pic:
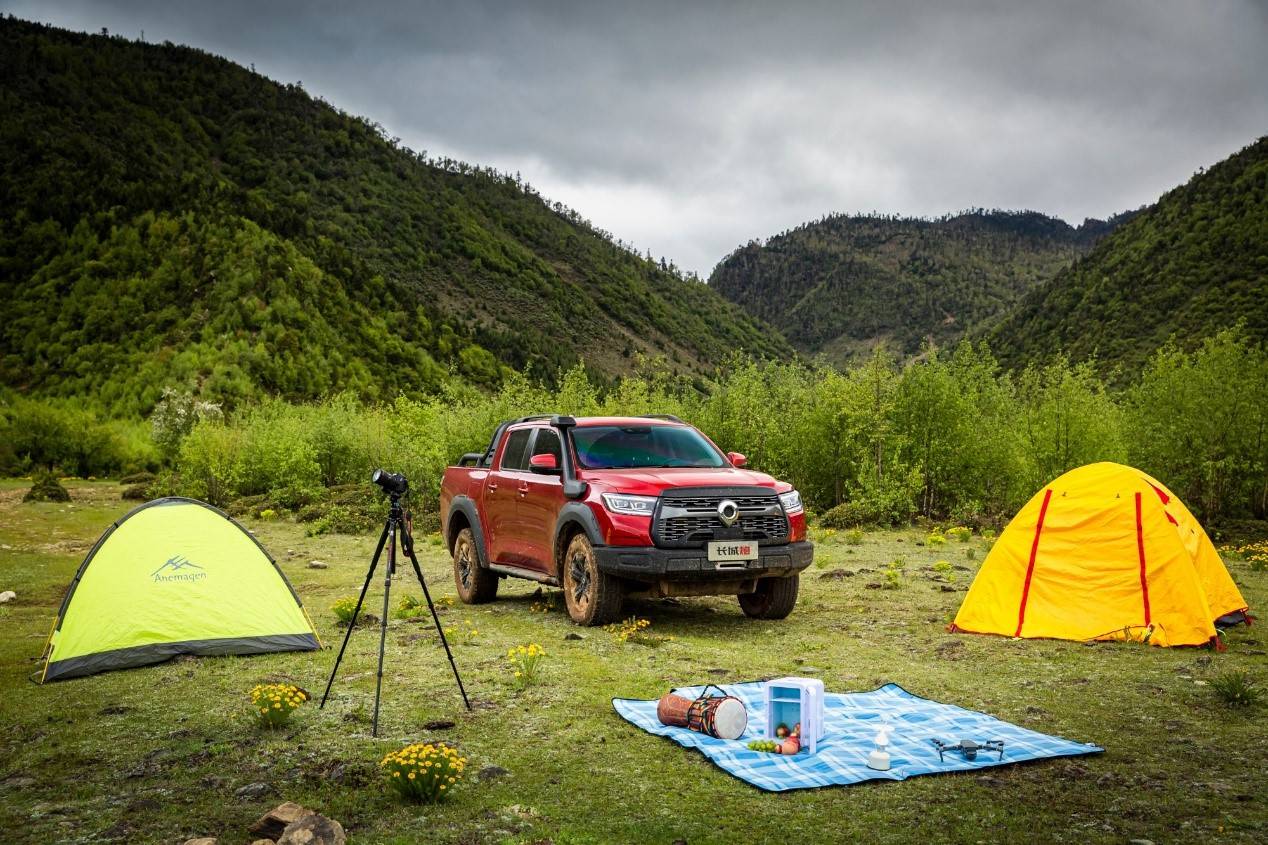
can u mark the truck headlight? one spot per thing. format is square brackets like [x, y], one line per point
[791, 501]
[633, 505]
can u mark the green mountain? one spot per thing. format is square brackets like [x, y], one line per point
[842, 284]
[1189, 265]
[171, 218]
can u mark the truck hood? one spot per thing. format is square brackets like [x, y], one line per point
[651, 482]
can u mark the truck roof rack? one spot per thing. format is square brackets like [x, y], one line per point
[669, 417]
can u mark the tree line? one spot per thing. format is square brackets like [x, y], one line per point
[951, 436]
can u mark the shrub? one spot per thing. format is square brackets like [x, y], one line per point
[525, 661]
[960, 534]
[409, 607]
[274, 703]
[1237, 689]
[135, 493]
[344, 608]
[341, 519]
[935, 539]
[423, 772]
[46, 488]
[277, 455]
[174, 417]
[209, 468]
[634, 630]
[138, 478]
[893, 573]
[845, 515]
[854, 537]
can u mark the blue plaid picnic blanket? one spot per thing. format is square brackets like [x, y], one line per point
[850, 725]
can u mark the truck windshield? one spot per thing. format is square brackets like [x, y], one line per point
[631, 447]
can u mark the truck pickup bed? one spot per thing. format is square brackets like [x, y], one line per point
[606, 507]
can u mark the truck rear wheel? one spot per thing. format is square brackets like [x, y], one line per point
[593, 597]
[476, 585]
[774, 598]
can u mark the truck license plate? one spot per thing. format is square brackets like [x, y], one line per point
[724, 551]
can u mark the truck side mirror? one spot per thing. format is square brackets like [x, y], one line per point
[736, 459]
[544, 464]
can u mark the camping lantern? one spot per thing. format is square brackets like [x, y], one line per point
[792, 701]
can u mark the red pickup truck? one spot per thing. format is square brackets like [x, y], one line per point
[609, 507]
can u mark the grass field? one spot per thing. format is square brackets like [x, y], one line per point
[157, 755]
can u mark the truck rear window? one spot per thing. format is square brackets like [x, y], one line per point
[632, 447]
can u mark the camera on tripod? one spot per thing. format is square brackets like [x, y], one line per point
[395, 530]
[392, 483]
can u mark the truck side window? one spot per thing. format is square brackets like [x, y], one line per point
[547, 443]
[514, 456]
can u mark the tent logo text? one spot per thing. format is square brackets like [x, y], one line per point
[178, 568]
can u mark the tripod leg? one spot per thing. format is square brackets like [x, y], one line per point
[408, 545]
[356, 612]
[387, 590]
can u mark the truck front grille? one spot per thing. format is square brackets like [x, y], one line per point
[690, 518]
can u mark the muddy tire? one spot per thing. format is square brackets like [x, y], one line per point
[774, 598]
[476, 585]
[592, 597]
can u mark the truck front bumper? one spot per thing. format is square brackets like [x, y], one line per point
[654, 564]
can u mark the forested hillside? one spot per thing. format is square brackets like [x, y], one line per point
[842, 284]
[171, 218]
[1188, 266]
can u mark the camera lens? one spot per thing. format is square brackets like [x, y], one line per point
[392, 482]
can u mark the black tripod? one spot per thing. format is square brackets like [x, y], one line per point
[398, 522]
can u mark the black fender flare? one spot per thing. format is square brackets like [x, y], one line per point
[465, 506]
[574, 514]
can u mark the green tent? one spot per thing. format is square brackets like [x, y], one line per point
[174, 576]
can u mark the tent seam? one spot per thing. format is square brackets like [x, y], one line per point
[1030, 569]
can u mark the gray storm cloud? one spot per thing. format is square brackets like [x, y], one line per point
[690, 128]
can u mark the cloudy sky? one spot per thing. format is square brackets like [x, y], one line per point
[689, 128]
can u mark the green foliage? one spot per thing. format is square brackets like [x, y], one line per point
[893, 574]
[840, 284]
[341, 519]
[410, 607]
[1068, 420]
[1237, 689]
[1190, 265]
[854, 537]
[173, 219]
[1200, 424]
[46, 488]
[175, 416]
[951, 437]
[210, 462]
[66, 436]
[344, 608]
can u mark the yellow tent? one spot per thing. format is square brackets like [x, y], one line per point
[1105, 552]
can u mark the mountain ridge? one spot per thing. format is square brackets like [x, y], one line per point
[444, 271]
[843, 283]
[1185, 267]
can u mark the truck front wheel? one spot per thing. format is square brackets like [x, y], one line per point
[593, 597]
[476, 585]
[774, 598]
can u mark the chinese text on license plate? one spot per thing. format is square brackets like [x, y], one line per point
[727, 550]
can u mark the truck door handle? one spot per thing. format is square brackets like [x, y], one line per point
[492, 485]
[523, 489]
